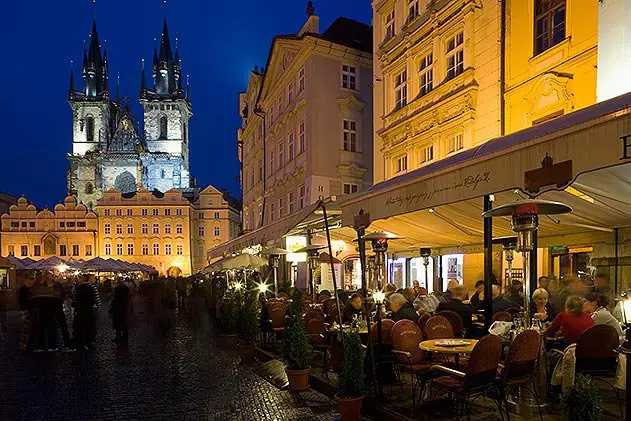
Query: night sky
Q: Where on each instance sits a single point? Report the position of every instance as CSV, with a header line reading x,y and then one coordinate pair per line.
x,y
220,42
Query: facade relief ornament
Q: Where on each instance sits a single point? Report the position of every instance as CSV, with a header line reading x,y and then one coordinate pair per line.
x,y
549,93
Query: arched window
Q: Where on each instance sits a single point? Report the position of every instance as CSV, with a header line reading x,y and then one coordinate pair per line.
x,y
89,189
163,127
89,129
184,137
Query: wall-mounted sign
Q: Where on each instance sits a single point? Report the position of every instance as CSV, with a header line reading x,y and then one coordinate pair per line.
x,y
293,243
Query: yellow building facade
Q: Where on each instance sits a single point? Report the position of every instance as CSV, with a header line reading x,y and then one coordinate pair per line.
x,y
70,230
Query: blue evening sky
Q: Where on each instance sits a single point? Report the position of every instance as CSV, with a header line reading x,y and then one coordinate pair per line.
x,y
220,42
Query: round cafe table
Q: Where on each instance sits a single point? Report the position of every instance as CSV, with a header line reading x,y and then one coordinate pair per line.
x,y
431,346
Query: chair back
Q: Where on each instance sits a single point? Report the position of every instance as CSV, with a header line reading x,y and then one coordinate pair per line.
x,y
513,311
329,306
422,322
455,320
483,363
313,314
406,336
386,331
502,316
276,315
595,349
521,358
322,298
438,327
316,330
283,295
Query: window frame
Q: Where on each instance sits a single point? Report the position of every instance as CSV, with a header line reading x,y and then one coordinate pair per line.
x,y
426,74
401,164
163,127
349,135
349,77
389,25
547,16
301,137
413,10
454,145
426,154
401,89
455,52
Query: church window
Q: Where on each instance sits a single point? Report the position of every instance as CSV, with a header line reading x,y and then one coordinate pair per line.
x,y
89,129
23,251
216,232
106,212
179,229
549,24
130,228
156,228
108,249
185,135
163,127
155,212
201,231
144,212
162,107
108,229
179,249
163,173
119,229
167,249
145,228
167,212
145,249
130,212
167,228
75,249
37,250
88,249
156,248
168,107
130,249
89,189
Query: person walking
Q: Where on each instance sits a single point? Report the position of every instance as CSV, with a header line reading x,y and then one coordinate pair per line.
x,y
44,301
180,288
120,311
85,301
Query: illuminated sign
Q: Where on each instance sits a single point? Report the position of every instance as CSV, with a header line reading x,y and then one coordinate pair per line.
x,y
293,243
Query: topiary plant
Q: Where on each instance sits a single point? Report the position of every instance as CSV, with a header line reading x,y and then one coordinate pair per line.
x,y
229,311
248,324
352,380
583,401
296,347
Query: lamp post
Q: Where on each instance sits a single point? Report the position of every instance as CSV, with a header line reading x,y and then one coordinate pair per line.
x,y
313,253
525,221
274,254
425,254
625,348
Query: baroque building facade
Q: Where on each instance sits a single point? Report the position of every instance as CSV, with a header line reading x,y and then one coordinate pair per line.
x,y
307,121
110,149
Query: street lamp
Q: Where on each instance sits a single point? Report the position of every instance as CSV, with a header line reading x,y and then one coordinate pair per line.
x,y
425,254
274,254
313,253
525,221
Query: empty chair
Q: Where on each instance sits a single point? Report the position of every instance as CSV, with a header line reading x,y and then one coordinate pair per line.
x,y
422,322
438,327
313,314
316,329
455,320
386,331
502,316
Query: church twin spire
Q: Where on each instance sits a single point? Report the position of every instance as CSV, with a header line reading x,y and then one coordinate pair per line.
x,y
94,71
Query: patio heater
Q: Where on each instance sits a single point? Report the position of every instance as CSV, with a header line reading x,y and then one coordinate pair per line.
x,y
370,263
425,255
509,244
525,221
313,253
275,254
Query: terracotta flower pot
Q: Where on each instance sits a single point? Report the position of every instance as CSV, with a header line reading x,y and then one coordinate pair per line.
x,y
246,352
228,341
350,408
298,379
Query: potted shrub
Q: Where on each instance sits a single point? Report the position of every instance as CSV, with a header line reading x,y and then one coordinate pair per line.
x,y
248,328
296,347
582,402
351,395
229,317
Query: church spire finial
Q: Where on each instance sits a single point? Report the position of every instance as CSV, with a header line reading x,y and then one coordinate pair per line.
x,y
118,87
310,9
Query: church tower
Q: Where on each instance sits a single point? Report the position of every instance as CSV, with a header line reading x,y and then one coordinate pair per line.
x,y
167,110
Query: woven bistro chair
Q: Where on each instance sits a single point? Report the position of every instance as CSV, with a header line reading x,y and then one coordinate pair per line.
x,y
276,315
316,329
519,366
406,337
386,331
478,377
438,327
455,320
313,314
502,316
422,322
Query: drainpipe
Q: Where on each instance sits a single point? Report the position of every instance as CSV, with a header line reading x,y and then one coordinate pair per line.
x,y
261,114
615,261
502,67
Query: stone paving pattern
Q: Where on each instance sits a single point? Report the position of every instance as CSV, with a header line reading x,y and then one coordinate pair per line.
x,y
180,376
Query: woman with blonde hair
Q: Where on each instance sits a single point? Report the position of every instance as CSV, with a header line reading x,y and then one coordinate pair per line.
x,y
541,309
572,322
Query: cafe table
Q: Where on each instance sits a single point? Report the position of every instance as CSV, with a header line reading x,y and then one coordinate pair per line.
x,y
454,347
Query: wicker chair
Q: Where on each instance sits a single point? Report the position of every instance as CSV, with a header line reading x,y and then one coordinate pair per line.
x,y
422,322
316,330
502,316
386,331
276,316
406,337
519,366
438,327
455,320
283,295
478,378
313,314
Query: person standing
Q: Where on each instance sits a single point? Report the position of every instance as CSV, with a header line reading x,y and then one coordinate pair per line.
x,y
119,312
180,287
85,301
26,319
45,300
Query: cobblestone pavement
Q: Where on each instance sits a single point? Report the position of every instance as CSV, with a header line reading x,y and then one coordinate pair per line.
x,y
180,376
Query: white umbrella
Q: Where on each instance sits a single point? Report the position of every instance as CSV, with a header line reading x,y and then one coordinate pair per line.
x,y
245,260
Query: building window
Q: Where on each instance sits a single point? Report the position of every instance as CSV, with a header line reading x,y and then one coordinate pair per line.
x,y
156,228
290,92
31,224
37,250
145,228
163,173
350,188
179,229
401,164
350,135
389,25
119,229
413,10
455,55
89,129
69,224
144,212
401,90
272,212
108,249
549,24
75,249
164,125
88,249
130,249
11,250
455,143
201,215
216,215
155,212
23,251
119,212
301,80
156,249
130,212
349,77
89,189
145,249
15,224
272,165
280,105
108,229
260,169
291,202
178,212
290,141
426,154
281,154
106,212
167,212
216,232
167,228
200,230
62,224
80,224
167,249
130,228
179,249
119,249
281,207
426,74
301,137
302,191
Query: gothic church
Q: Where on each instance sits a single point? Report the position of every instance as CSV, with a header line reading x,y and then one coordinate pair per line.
x,y
109,147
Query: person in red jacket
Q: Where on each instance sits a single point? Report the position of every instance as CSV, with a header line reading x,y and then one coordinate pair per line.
x,y
572,322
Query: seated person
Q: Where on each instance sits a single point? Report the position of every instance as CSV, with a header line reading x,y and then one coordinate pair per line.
x,y
352,308
409,295
426,302
475,298
499,302
595,305
541,309
572,322
450,286
402,309
458,295
516,294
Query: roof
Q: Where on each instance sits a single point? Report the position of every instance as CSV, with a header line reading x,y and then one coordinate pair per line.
x,y
350,33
